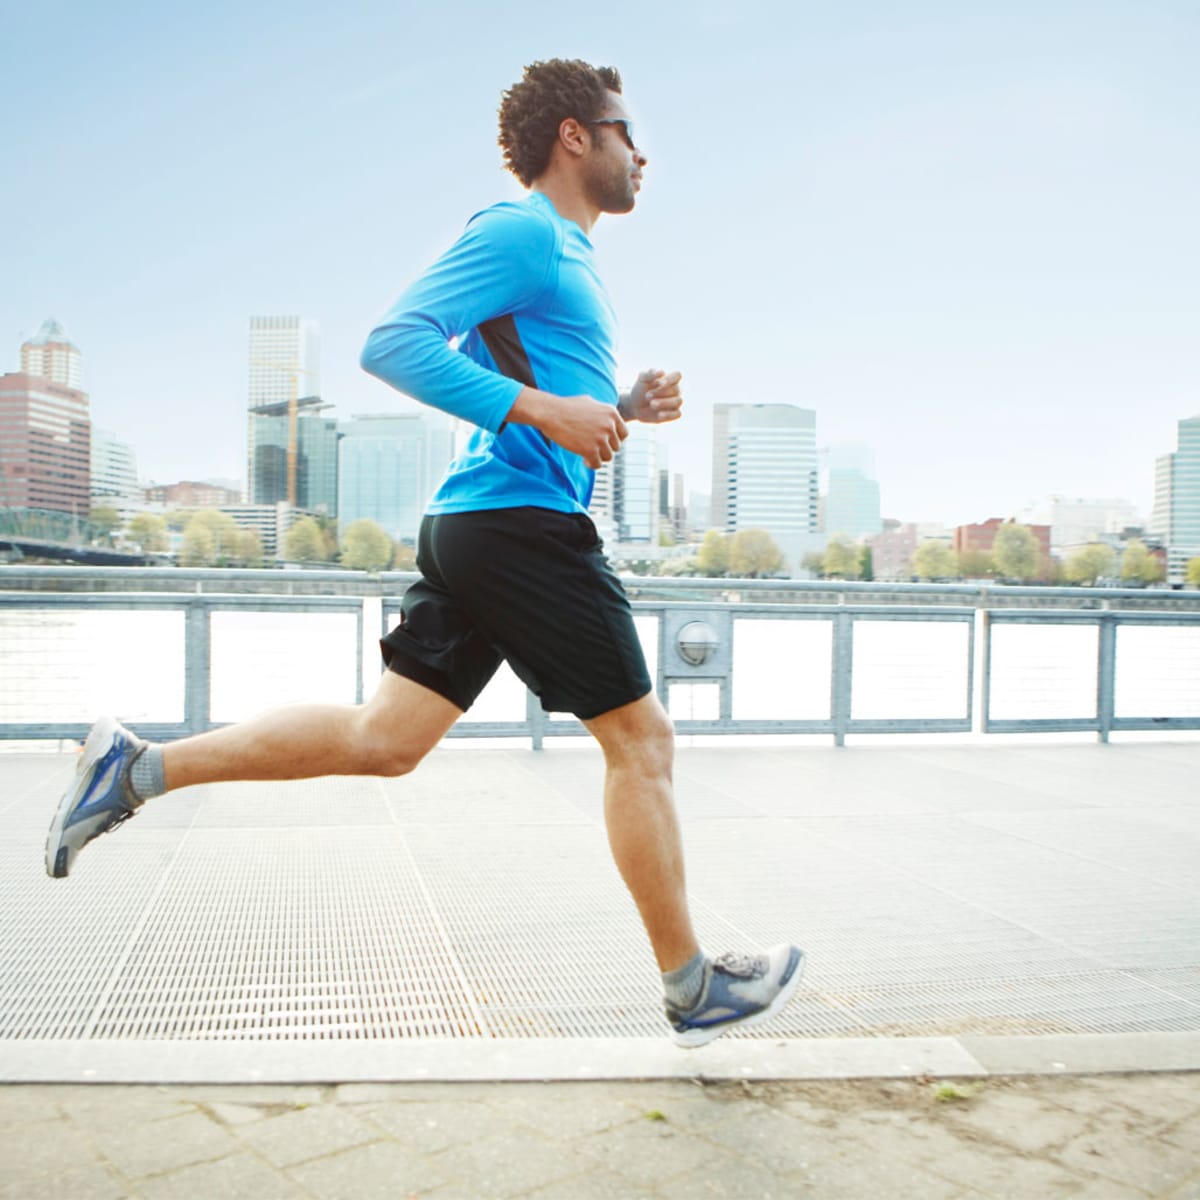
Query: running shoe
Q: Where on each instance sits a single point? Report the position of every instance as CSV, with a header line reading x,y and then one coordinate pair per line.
x,y
740,991
100,797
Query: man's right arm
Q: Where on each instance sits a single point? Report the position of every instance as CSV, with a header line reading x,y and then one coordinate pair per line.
x,y
499,265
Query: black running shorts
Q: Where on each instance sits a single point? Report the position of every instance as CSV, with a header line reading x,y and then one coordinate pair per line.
x,y
529,585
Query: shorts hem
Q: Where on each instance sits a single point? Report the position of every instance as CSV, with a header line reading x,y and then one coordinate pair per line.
x,y
406,665
603,707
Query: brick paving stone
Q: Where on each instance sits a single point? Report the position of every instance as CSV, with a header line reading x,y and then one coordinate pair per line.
x,y
736,1179
81,1183
307,1133
1153,1165
598,1183
380,1171
1020,1121
439,1125
1013,1177
1185,1134
569,1109
151,1147
29,1152
774,1141
19,1105
869,1173
236,1115
238,1177
511,1164
280,1096
117,1106
1150,1102
650,1152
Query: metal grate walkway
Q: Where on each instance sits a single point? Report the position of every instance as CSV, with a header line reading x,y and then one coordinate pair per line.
x,y
939,891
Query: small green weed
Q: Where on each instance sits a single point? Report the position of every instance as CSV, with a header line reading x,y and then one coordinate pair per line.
x,y
953,1093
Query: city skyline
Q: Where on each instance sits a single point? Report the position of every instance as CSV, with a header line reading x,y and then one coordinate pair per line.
x,y
63,359
965,238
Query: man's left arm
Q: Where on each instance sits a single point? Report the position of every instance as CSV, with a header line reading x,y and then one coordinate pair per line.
x,y
655,398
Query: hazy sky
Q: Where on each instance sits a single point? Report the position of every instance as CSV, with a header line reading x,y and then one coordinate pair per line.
x,y
965,233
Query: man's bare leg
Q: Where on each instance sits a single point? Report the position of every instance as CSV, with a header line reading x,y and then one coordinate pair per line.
x,y
388,735
639,809
117,772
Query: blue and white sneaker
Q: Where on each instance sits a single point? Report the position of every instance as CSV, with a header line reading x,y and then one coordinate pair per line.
x,y
740,991
99,799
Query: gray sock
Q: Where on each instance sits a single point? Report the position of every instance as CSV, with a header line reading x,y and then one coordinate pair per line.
x,y
684,985
146,779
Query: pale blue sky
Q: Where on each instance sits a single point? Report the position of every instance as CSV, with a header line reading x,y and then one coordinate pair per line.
x,y
965,233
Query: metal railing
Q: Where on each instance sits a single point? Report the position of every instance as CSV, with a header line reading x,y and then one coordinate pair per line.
x,y
774,656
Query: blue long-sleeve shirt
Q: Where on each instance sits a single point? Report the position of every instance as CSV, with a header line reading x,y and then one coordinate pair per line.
x,y
519,260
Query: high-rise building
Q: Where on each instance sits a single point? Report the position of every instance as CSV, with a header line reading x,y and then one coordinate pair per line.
x,y
284,380
851,492
310,443
389,466
45,445
46,427
1176,516
765,469
114,468
635,488
50,354
625,496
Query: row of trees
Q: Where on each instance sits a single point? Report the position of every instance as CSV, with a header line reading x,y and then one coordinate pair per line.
x,y
1015,556
213,539
747,554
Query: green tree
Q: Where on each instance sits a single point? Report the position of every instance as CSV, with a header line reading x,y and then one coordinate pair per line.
x,y
714,553
841,558
976,564
246,547
866,563
404,558
1192,574
1138,565
1016,552
199,548
753,552
209,539
1089,563
366,546
814,562
666,535
148,531
934,559
305,542
106,519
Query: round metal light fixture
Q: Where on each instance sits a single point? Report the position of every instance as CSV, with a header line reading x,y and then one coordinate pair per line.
x,y
697,643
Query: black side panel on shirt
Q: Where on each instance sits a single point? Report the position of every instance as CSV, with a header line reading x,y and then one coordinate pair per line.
x,y
504,344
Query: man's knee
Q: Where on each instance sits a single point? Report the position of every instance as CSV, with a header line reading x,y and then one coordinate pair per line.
x,y
399,726
640,735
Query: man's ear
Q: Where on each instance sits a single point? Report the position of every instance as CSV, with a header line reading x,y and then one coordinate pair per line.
x,y
573,137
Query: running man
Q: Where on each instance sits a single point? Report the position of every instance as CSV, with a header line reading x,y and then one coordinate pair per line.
x,y
511,566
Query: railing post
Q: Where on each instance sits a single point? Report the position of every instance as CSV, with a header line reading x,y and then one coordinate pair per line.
x,y
197,668
843,671
536,716
1106,672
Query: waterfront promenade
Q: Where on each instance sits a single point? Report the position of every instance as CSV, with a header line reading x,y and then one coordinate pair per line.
x,y
998,935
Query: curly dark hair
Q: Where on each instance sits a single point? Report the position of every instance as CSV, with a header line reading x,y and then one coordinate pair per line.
x,y
532,110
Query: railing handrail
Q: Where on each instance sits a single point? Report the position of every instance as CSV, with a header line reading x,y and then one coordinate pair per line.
x,y
20,577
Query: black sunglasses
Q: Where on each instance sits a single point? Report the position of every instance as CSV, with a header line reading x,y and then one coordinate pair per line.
x,y
626,128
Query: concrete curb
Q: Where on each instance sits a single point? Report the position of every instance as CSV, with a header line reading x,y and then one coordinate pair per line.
x,y
376,1061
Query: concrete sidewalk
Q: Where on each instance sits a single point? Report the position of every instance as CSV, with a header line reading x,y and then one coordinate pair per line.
x,y
1109,1138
